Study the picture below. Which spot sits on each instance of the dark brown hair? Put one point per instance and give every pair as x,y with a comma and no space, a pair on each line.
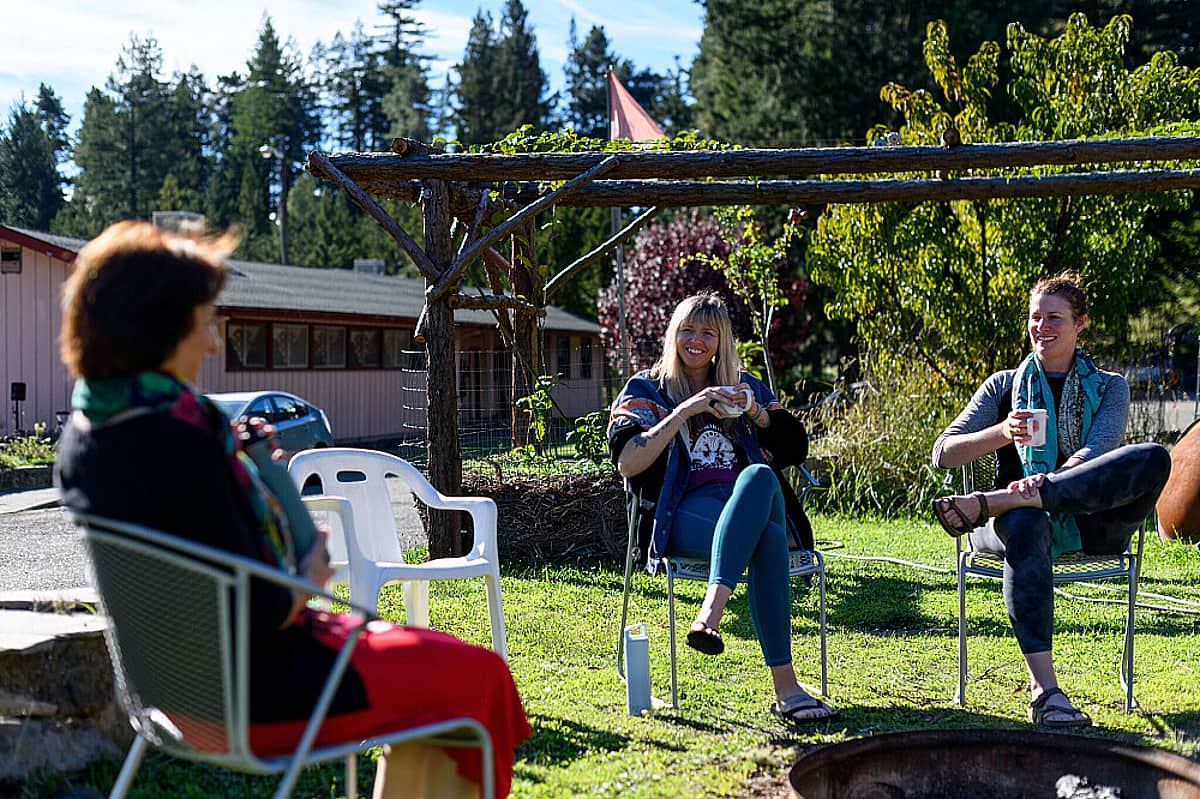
132,297
1067,285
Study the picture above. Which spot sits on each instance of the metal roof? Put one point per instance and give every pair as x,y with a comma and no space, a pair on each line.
272,287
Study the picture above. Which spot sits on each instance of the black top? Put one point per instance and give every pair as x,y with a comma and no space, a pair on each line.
161,472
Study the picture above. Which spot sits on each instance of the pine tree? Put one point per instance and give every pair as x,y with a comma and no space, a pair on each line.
407,103
475,115
274,106
30,186
55,121
520,81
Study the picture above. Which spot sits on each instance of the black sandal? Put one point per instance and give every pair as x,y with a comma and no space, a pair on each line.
705,639
965,525
1039,712
802,709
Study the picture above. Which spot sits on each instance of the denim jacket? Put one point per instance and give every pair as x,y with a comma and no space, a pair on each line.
642,404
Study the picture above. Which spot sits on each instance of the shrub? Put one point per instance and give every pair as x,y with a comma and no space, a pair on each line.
878,449
25,451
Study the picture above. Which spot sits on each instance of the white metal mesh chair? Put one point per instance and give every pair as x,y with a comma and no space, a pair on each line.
179,641
1072,567
801,563
373,545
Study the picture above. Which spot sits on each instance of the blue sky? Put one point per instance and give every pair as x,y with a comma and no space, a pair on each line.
73,44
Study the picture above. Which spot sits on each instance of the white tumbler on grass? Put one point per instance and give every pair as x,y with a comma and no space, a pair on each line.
637,670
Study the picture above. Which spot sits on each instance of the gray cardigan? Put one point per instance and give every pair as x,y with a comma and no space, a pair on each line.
993,401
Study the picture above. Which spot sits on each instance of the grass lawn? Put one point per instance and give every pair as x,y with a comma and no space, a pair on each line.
892,667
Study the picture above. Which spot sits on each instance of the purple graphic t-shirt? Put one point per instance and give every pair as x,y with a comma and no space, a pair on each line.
713,459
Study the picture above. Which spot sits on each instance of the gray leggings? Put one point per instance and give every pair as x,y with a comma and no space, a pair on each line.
1110,496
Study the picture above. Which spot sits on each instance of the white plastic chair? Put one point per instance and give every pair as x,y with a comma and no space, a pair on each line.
179,641
373,546
1072,567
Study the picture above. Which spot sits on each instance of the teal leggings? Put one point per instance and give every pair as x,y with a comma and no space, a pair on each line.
738,527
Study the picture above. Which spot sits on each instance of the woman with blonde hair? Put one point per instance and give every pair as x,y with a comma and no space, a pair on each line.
694,434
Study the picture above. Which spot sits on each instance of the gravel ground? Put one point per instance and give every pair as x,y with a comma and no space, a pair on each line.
40,550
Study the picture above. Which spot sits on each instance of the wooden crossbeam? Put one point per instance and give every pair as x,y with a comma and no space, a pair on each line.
679,164
322,167
487,302
610,244
692,193
452,275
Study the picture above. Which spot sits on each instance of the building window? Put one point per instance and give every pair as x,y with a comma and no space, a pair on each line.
328,347
564,357
585,359
395,342
289,346
364,348
10,260
246,345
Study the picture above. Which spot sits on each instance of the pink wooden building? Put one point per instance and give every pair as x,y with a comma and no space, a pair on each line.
340,339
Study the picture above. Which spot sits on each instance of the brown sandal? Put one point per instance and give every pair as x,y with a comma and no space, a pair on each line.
964,525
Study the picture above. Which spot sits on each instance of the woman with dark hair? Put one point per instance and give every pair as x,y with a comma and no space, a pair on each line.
1063,488
691,432
143,446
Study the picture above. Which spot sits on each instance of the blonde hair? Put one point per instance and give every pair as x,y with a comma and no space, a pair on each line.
699,309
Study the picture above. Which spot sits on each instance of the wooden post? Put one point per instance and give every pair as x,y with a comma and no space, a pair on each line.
526,359
445,461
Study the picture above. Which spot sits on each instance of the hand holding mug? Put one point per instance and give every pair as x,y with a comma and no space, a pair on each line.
738,399
1026,426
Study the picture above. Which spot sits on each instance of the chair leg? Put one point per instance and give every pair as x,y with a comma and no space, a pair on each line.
352,776
416,603
960,697
1127,650
496,612
129,768
671,635
824,651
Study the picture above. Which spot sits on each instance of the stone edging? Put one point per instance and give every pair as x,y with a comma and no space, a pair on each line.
26,478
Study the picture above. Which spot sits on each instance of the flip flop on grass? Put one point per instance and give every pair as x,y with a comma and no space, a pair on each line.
942,508
705,639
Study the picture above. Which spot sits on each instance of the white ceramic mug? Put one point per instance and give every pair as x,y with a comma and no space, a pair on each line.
737,410
1035,423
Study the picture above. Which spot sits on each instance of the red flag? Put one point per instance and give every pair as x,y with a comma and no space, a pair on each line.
627,119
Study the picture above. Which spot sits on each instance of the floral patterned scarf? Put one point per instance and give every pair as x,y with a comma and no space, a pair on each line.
117,399
1082,393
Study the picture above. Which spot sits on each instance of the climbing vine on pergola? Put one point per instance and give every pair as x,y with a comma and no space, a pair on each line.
458,192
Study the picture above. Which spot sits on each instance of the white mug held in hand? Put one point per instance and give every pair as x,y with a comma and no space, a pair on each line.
737,410
1035,424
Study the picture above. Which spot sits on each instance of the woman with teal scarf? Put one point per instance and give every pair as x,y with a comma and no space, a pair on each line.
1079,490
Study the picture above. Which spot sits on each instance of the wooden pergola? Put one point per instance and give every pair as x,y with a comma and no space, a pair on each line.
458,191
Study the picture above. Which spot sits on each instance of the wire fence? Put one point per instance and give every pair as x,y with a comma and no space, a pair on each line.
489,413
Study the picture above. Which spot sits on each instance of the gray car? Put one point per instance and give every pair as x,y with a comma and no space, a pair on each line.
299,424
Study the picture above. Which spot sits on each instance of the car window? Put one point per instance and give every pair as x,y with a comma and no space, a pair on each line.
261,407
289,408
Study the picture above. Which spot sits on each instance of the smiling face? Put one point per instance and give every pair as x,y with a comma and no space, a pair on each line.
696,344
1053,330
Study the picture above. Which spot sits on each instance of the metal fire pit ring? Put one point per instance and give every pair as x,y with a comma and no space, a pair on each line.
988,764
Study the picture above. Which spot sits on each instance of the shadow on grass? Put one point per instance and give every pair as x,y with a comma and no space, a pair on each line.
557,741
893,605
